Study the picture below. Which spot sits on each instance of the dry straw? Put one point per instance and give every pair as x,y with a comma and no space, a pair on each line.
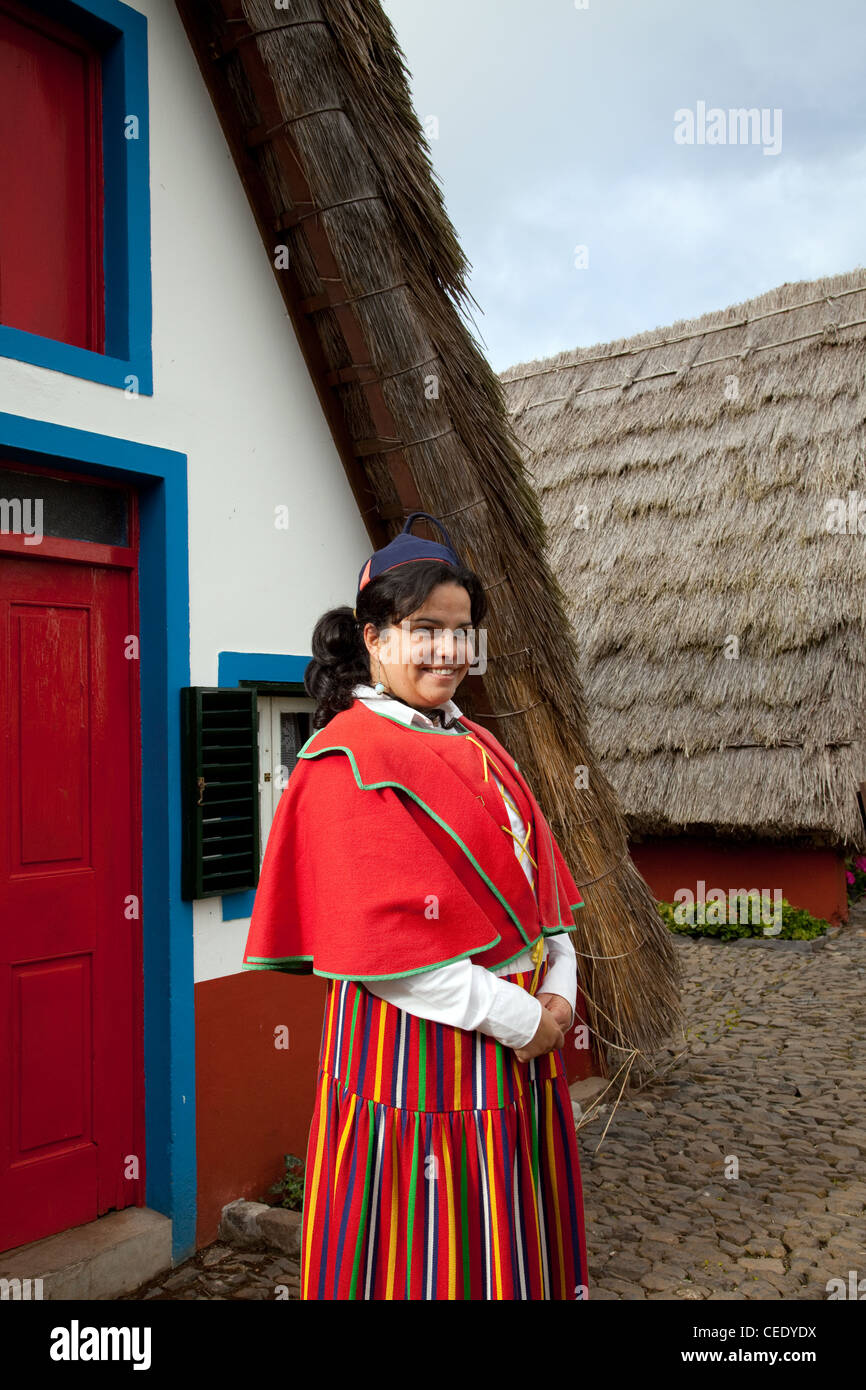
706,482
344,95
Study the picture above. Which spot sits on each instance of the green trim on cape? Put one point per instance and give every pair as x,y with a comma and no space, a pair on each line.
285,964
376,786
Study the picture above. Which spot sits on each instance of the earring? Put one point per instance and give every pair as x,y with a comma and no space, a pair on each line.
379,686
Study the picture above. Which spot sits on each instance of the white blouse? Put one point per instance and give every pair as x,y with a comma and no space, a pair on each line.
465,995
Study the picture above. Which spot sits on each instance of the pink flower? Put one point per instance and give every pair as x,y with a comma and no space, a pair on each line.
860,863
849,876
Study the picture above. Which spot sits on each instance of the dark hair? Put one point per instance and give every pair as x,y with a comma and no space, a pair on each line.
340,657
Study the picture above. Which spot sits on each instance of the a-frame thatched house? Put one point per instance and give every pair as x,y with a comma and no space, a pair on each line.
251,183
315,105
704,492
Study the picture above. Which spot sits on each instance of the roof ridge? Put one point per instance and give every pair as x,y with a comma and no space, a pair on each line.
701,327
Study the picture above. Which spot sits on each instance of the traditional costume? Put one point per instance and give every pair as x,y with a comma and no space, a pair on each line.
472,996
438,1165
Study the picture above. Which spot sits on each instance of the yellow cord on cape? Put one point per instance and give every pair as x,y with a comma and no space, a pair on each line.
537,954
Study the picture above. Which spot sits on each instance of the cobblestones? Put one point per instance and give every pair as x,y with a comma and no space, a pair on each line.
223,1272
732,1171
737,1170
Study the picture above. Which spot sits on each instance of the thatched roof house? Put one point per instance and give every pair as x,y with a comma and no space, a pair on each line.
696,483
315,104
246,239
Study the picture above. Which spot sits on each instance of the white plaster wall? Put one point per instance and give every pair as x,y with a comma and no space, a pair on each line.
232,392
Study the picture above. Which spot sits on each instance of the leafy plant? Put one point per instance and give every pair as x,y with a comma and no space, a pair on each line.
291,1184
797,923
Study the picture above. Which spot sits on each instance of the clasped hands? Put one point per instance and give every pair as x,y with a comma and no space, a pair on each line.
557,1016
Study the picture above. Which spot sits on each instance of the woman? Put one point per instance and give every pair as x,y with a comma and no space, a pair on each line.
410,865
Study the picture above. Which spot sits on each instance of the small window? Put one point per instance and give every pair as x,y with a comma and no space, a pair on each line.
75,279
58,507
285,724
51,178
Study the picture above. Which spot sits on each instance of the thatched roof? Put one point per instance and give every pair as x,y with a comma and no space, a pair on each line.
317,111
705,455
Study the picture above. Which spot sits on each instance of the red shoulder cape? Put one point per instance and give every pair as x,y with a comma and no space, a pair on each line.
381,860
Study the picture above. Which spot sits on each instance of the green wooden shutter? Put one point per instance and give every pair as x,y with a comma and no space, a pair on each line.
221,850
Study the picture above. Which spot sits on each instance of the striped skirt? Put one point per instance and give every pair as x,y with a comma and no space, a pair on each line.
438,1166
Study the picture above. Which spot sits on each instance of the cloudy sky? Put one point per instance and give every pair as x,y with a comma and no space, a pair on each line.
556,128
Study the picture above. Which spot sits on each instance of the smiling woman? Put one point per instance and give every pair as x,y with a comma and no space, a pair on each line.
414,627
411,866
424,659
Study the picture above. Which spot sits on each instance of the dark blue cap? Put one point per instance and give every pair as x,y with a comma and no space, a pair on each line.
405,548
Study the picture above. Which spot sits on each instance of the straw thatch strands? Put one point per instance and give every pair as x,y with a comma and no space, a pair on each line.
688,477
315,103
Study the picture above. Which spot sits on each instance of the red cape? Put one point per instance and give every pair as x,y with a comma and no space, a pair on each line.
383,859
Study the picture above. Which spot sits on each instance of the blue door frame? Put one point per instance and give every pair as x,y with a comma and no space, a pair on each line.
160,475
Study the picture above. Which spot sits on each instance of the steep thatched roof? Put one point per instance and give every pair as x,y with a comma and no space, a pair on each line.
315,104
705,455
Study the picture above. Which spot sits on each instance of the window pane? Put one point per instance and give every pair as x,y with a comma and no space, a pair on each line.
51,179
76,511
294,732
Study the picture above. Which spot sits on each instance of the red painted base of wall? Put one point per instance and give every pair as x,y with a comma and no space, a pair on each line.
810,878
254,1100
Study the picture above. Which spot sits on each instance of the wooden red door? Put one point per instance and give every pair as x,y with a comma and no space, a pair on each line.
71,1086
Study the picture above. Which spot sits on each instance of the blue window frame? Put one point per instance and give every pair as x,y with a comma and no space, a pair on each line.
127,363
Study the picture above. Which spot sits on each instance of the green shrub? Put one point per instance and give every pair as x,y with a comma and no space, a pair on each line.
291,1184
797,923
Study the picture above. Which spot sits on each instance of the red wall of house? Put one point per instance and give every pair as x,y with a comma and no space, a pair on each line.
254,1100
809,878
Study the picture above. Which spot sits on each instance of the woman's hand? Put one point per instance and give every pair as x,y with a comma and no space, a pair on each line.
559,1007
548,1036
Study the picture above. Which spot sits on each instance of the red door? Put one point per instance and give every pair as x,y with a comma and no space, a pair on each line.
71,1085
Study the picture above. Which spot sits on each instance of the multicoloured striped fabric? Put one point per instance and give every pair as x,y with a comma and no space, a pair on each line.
438,1166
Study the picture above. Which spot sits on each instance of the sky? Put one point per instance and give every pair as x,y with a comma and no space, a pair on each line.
595,177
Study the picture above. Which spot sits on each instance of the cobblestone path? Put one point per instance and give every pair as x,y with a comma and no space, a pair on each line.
769,1083
772,1072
